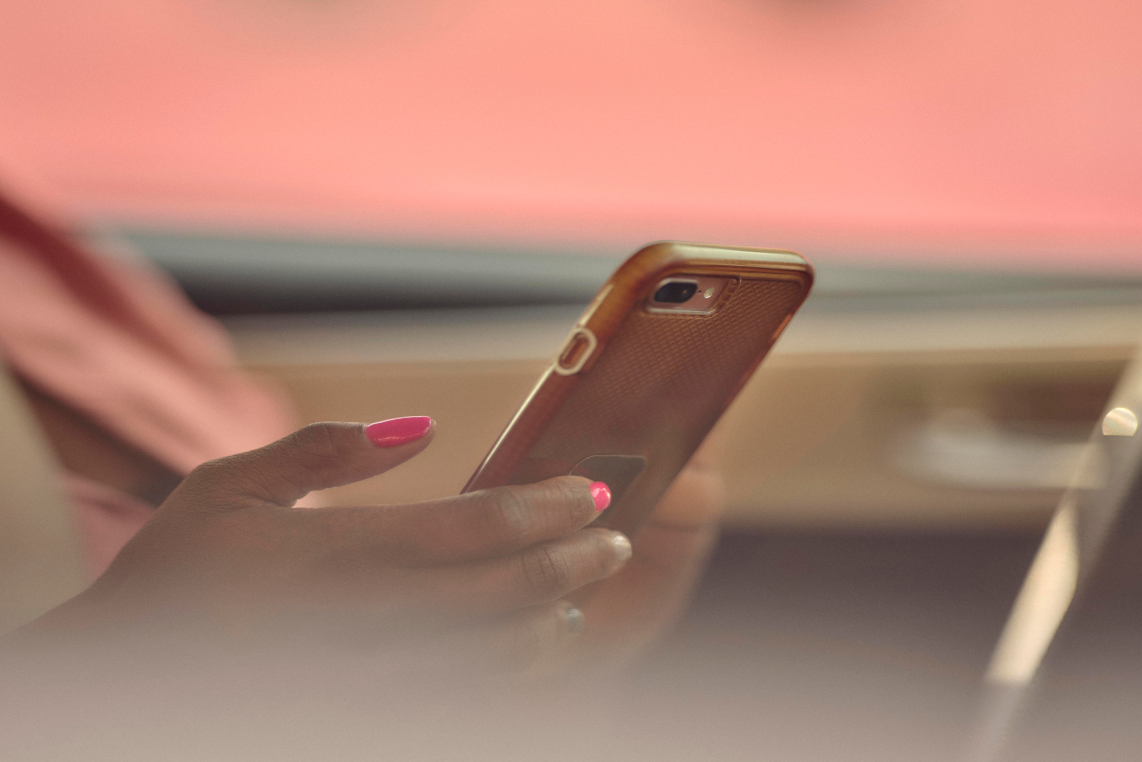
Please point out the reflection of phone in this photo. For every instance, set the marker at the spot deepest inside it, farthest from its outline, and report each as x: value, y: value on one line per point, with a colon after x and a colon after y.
x: 1065, y: 680
x: 646, y: 372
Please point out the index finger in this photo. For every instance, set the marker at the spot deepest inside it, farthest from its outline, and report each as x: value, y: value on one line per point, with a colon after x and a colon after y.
x: 489, y: 523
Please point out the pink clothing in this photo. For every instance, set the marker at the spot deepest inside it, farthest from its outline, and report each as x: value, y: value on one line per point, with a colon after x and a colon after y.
x: 112, y: 338
x: 105, y: 518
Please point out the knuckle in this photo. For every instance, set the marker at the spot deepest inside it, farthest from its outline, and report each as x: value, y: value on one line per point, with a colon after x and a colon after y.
x: 236, y: 479
x: 212, y: 477
x: 204, y: 474
x: 324, y: 441
x: 546, y: 570
x: 506, y: 514
x: 576, y: 502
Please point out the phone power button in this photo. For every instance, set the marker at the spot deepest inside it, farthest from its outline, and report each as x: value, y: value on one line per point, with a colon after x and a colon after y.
x: 575, y: 352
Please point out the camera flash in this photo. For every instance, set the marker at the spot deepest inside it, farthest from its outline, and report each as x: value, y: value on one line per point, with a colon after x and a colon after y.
x: 708, y: 292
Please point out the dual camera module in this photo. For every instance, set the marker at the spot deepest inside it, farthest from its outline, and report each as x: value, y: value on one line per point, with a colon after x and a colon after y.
x: 695, y: 295
x: 676, y: 292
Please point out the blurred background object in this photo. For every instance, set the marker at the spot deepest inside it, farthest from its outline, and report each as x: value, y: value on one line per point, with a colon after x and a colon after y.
x: 860, y: 127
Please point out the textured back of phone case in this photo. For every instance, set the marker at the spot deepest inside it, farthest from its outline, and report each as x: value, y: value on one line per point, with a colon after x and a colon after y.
x: 654, y: 389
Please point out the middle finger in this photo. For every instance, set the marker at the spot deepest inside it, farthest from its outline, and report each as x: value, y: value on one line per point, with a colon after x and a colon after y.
x: 540, y: 573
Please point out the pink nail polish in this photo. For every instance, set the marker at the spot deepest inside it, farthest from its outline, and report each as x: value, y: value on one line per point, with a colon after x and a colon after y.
x: 397, y: 431
x: 602, y: 495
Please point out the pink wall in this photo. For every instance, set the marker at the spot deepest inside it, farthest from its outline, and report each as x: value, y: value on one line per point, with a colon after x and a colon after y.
x: 974, y: 124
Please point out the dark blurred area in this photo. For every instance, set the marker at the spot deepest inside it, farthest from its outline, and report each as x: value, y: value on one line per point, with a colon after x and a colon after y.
x: 275, y: 274
x: 829, y: 645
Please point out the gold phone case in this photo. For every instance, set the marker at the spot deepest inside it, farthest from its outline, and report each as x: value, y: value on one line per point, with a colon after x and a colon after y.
x: 638, y: 385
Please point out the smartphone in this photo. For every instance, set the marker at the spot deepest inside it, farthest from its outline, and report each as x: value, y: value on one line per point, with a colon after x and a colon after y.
x: 647, y: 370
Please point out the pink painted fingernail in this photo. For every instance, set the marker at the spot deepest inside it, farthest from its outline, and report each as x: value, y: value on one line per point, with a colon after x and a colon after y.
x: 398, y: 431
x: 602, y: 495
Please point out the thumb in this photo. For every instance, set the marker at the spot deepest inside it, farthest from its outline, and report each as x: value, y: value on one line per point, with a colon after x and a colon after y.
x: 318, y: 456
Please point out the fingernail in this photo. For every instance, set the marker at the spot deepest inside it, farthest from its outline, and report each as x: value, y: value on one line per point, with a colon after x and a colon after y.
x: 575, y: 621
x: 602, y: 495
x: 398, y: 431
x: 622, y: 546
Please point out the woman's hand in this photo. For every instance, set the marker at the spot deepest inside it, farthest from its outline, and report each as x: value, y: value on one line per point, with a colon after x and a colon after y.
x: 228, y: 556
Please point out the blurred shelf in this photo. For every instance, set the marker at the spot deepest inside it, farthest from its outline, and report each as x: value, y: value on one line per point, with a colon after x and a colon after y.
x: 817, y: 438
x: 234, y: 273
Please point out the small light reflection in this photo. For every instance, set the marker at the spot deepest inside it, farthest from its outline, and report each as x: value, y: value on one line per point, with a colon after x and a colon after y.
x: 1120, y: 422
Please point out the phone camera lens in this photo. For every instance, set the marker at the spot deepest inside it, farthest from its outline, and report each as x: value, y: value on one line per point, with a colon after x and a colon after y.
x: 676, y: 292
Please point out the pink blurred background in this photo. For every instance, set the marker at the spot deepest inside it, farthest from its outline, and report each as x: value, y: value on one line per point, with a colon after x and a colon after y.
x: 957, y: 128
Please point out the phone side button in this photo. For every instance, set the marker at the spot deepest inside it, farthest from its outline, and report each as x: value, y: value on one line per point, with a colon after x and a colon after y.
x: 575, y: 352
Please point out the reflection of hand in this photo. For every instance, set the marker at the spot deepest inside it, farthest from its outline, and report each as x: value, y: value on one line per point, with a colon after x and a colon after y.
x: 630, y: 610
x: 227, y: 555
